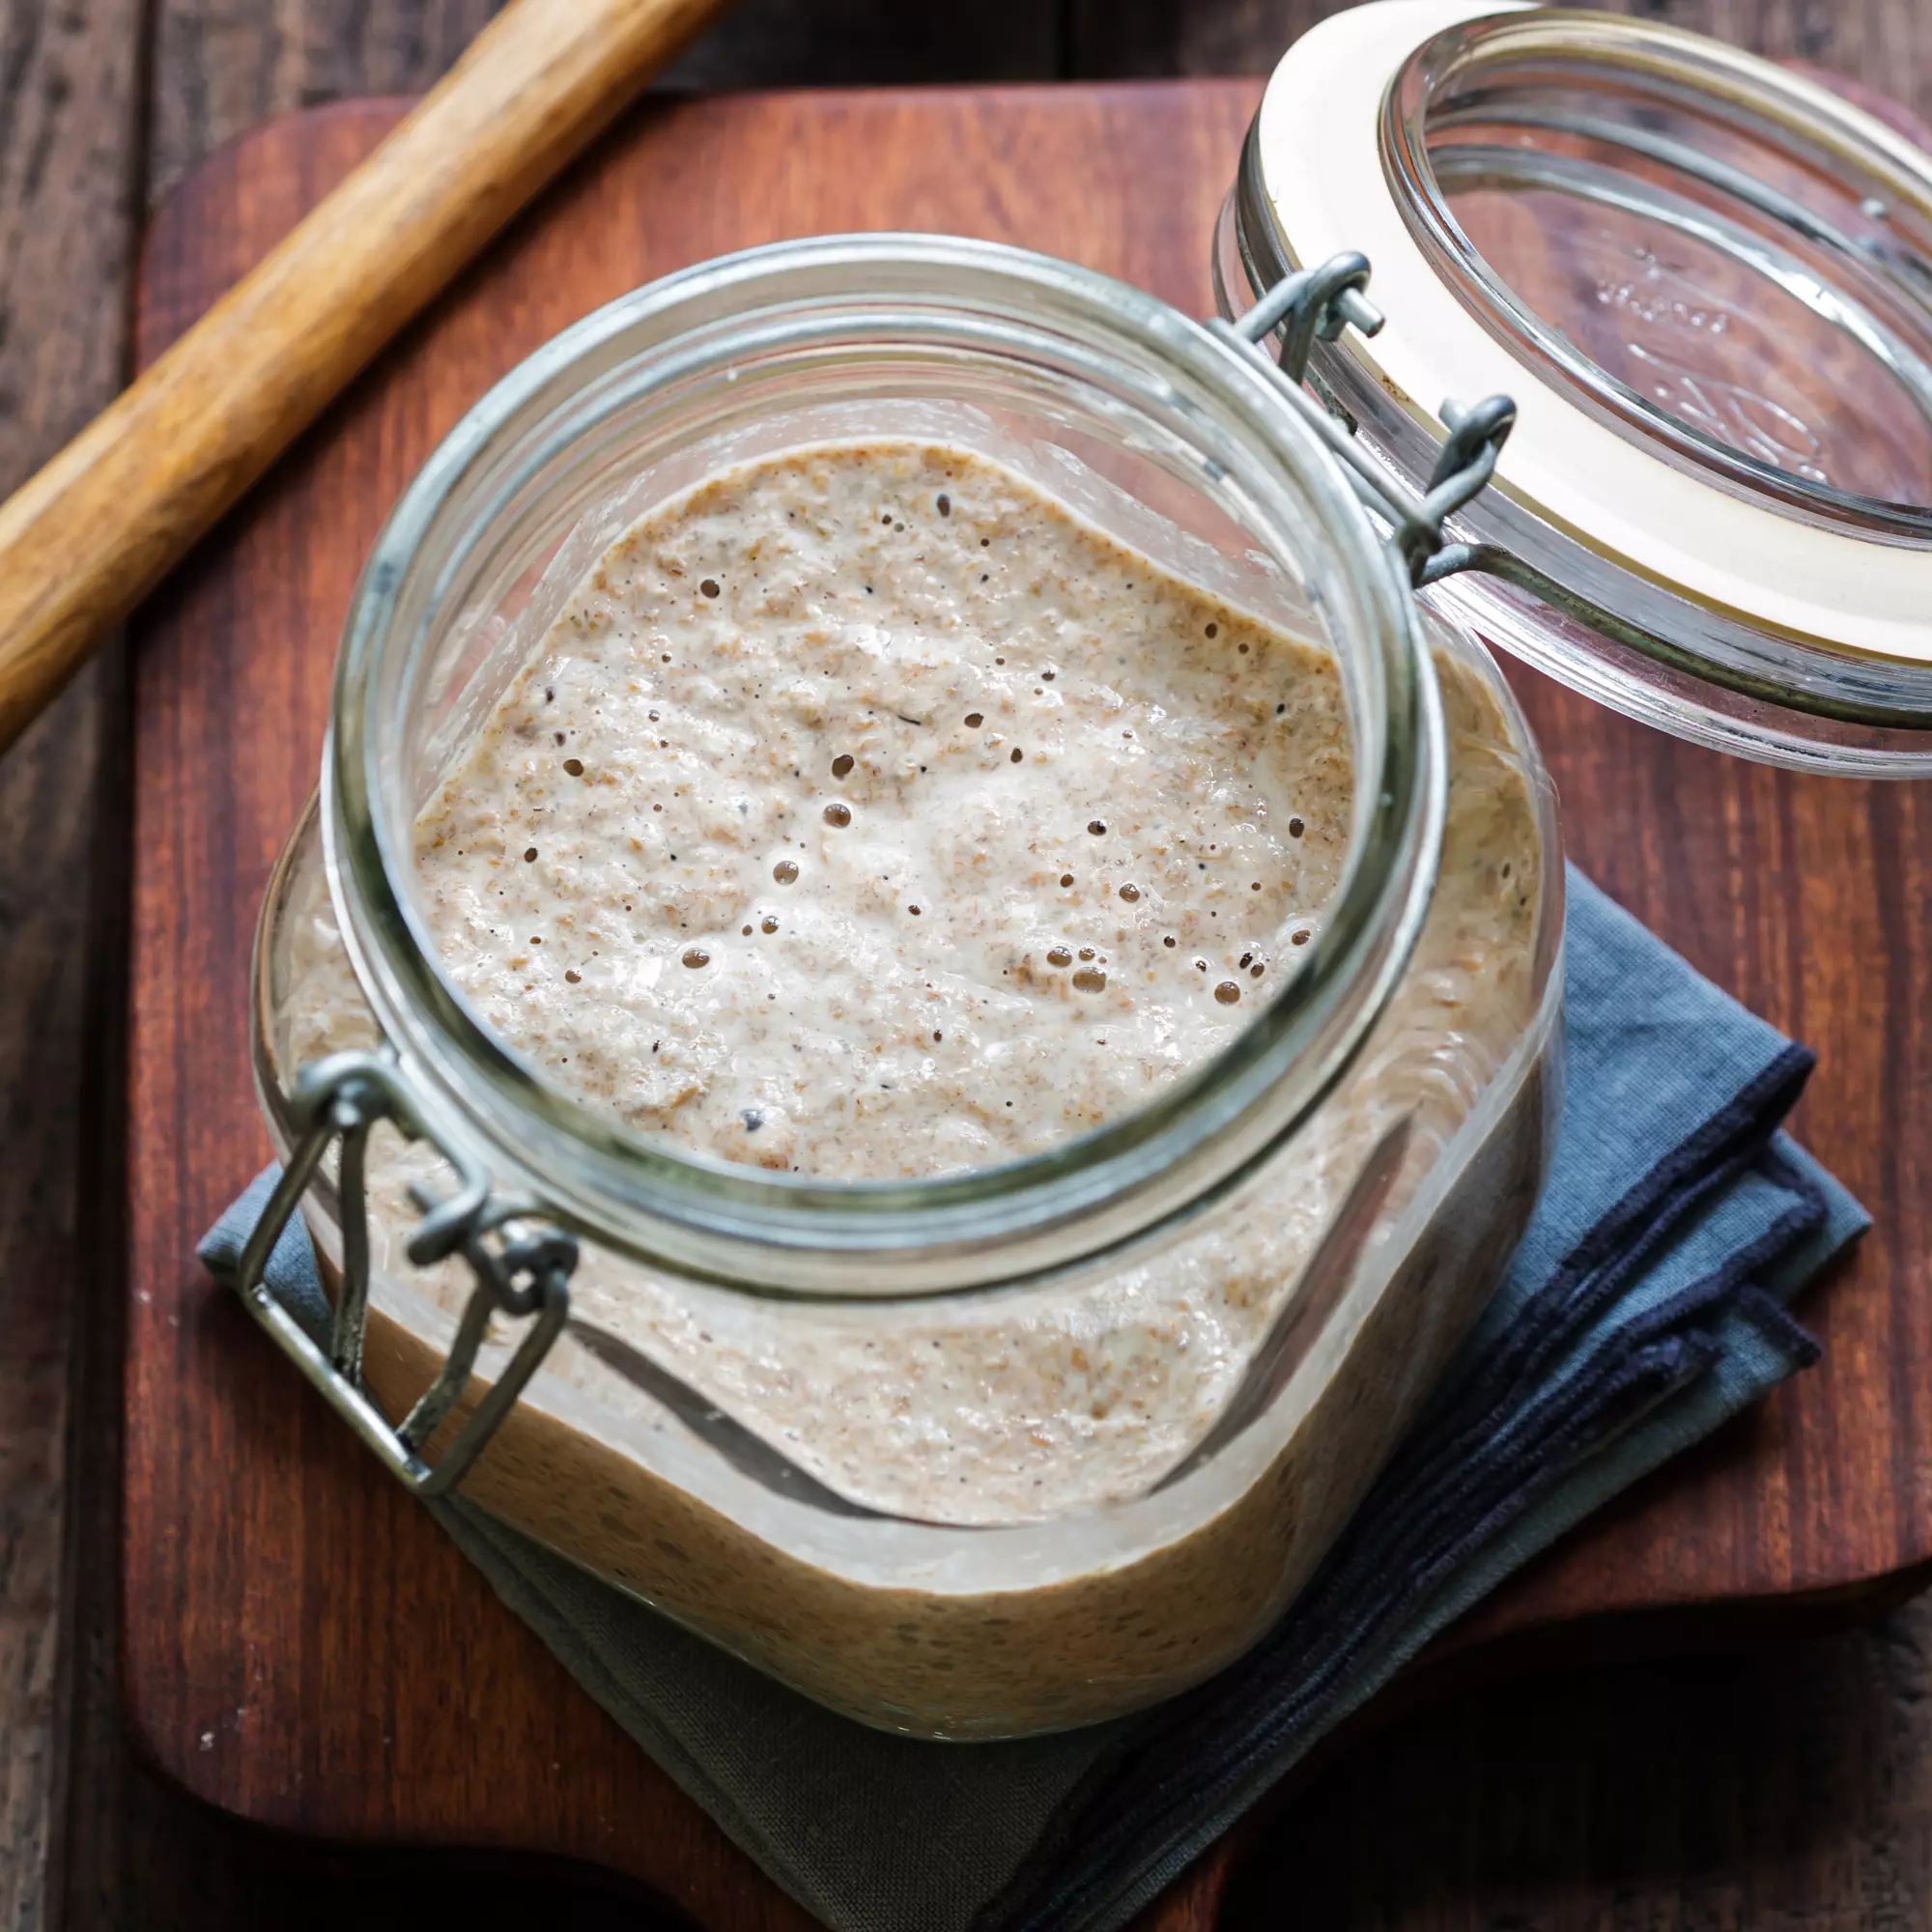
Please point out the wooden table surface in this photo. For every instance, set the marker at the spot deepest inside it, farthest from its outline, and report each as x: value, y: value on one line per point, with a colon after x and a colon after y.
x: 1781, y: 1791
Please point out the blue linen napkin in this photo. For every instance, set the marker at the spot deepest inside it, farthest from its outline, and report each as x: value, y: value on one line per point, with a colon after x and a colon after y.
x: 1645, y: 1306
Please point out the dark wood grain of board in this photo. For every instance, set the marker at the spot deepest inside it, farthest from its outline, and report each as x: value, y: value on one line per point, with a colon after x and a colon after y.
x: 1787, y: 1789
x: 222, y: 68
x: 1884, y: 44
x: 317, y: 1705
x: 67, y: 75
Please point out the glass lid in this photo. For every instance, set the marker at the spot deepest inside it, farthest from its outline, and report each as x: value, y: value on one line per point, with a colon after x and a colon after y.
x: 1707, y: 281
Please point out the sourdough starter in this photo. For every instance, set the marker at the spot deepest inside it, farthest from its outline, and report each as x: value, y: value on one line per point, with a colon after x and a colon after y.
x: 868, y: 815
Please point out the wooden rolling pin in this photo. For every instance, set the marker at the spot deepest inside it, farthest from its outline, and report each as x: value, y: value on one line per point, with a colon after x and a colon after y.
x: 84, y: 540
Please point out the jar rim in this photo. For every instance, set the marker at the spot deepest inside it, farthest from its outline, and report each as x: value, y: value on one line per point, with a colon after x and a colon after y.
x: 798, y: 1235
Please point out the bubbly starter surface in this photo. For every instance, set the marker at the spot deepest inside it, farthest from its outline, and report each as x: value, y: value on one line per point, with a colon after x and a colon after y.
x: 868, y: 815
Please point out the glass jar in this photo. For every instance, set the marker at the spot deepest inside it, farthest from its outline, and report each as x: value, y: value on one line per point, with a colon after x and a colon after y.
x: 723, y: 1388
x: 1702, y: 277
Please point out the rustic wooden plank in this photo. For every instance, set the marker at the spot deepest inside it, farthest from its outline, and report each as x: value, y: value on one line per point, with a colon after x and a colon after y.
x: 1883, y: 42
x: 874, y: 43
x: 67, y: 86
x: 1787, y: 1790
x: 222, y: 68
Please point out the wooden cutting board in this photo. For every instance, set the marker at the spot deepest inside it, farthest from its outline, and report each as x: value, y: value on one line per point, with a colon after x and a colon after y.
x: 301, y: 1646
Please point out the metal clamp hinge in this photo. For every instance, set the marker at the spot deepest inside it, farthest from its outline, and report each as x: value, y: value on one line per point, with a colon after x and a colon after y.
x: 522, y: 1266
x: 1317, y: 304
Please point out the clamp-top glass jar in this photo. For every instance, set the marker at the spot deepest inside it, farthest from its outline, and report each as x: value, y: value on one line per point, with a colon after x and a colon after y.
x: 1011, y: 1446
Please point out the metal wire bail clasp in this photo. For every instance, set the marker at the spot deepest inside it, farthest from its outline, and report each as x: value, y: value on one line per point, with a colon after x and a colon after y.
x: 522, y: 1266
x: 1315, y: 305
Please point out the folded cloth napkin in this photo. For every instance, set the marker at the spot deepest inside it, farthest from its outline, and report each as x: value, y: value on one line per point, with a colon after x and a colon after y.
x: 1646, y: 1304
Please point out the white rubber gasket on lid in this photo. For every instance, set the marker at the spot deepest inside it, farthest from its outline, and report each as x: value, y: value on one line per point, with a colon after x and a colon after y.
x: 1322, y: 169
